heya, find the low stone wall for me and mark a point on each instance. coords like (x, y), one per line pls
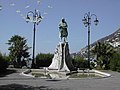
(27, 73)
(99, 73)
(102, 74)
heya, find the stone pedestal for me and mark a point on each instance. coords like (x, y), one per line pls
(61, 60)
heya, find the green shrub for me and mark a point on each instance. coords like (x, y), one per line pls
(79, 62)
(3, 63)
(115, 62)
(43, 60)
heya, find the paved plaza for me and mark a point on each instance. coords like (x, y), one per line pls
(16, 81)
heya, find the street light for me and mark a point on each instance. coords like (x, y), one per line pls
(35, 18)
(0, 7)
(87, 22)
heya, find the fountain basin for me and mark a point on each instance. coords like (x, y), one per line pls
(55, 74)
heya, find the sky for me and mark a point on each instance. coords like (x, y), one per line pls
(13, 13)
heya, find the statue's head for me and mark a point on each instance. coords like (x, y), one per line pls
(63, 20)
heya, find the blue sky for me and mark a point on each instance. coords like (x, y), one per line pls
(12, 22)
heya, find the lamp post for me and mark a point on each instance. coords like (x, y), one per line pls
(87, 22)
(0, 7)
(35, 18)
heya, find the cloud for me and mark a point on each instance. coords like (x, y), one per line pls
(45, 13)
(18, 11)
(12, 4)
(27, 6)
(50, 6)
(39, 1)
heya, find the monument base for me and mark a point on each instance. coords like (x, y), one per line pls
(61, 60)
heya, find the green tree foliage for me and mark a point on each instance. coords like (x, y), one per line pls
(43, 60)
(79, 62)
(18, 50)
(115, 62)
(3, 62)
(103, 52)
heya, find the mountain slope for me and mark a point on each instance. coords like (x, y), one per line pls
(113, 39)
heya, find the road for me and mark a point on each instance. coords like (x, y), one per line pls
(16, 81)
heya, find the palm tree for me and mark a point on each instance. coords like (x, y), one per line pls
(18, 50)
(103, 53)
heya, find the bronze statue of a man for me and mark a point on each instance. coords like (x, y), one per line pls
(63, 30)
